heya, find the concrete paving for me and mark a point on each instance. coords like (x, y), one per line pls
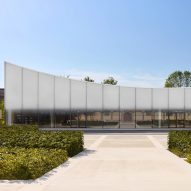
(116, 162)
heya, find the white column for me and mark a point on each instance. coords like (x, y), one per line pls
(159, 118)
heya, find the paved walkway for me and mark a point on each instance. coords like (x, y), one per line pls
(116, 162)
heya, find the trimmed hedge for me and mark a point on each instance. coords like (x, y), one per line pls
(31, 137)
(22, 164)
(27, 152)
(179, 142)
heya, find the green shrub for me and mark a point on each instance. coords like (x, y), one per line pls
(21, 163)
(28, 153)
(31, 137)
(179, 142)
(189, 157)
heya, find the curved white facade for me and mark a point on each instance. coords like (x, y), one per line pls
(28, 91)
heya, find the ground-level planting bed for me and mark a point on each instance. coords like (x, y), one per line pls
(28, 153)
(179, 142)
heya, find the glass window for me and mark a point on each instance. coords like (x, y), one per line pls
(127, 119)
(160, 119)
(188, 119)
(46, 119)
(62, 119)
(144, 119)
(78, 119)
(176, 119)
(111, 119)
(16, 117)
(30, 117)
(94, 119)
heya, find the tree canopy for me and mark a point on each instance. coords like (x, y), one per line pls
(179, 79)
(88, 79)
(110, 80)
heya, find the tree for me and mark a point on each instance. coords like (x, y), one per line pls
(187, 79)
(179, 79)
(2, 113)
(88, 79)
(110, 80)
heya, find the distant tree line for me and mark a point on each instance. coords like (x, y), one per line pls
(175, 79)
(109, 80)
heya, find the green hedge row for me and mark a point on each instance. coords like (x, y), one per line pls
(21, 163)
(27, 152)
(179, 142)
(31, 137)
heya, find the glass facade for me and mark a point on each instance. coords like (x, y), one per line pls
(62, 119)
(94, 119)
(177, 119)
(111, 119)
(78, 119)
(127, 119)
(187, 119)
(49, 101)
(160, 119)
(144, 119)
(46, 119)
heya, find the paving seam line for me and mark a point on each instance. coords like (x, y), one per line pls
(155, 142)
(97, 143)
(74, 160)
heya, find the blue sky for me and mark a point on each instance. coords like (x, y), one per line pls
(139, 42)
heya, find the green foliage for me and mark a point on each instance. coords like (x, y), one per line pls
(2, 110)
(179, 79)
(21, 163)
(26, 137)
(179, 142)
(88, 79)
(189, 157)
(28, 153)
(110, 80)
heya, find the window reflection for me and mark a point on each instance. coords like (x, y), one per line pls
(62, 119)
(176, 119)
(111, 119)
(144, 119)
(188, 119)
(127, 119)
(78, 119)
(94, 119)
(160, 119)
(46, 119)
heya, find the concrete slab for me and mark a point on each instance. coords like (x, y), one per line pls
(113, 162)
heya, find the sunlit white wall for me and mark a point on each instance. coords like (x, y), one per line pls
(26, 89)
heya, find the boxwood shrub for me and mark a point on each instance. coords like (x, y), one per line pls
(22, 163)
(31, 137)
(27, 152)
(179, 142)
